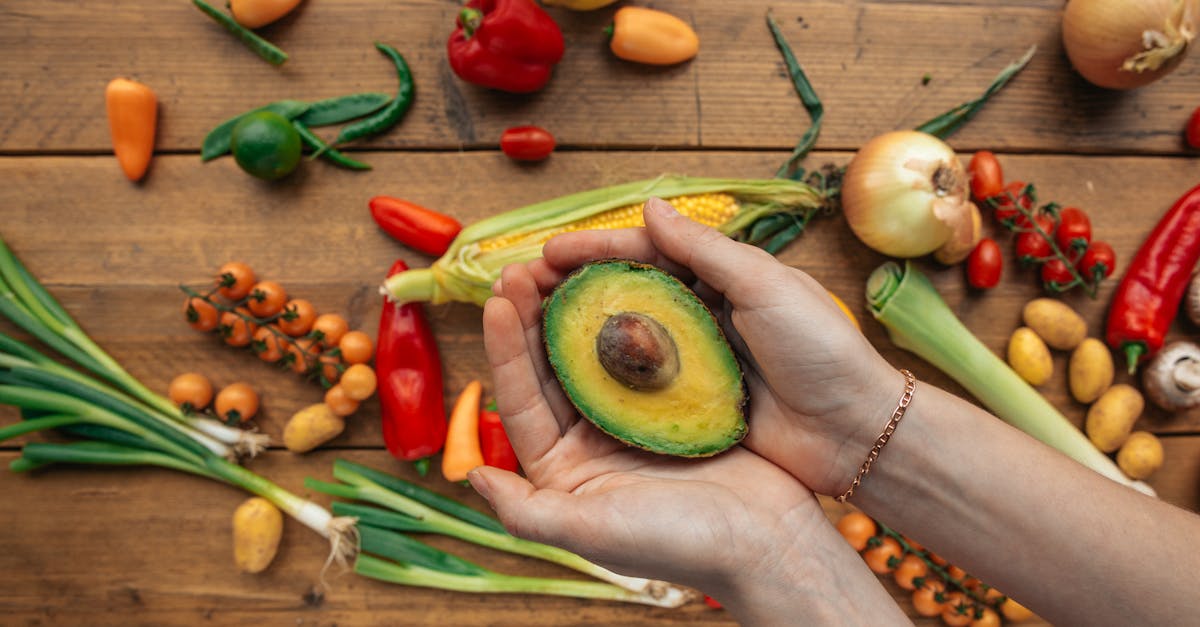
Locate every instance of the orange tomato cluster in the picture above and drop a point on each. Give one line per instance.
(938, 588)
(247, 312)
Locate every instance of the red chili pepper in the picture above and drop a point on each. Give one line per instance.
(510, 45)
(1147, 299)
(413, 225)
(497, 450)
(409, 370)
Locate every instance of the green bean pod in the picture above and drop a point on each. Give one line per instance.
(343, 108)
(260, 46)
(388, 116)
(320, 148)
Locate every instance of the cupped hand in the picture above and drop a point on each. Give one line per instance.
(699, 522)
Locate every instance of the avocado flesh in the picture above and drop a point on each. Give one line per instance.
(699, 413)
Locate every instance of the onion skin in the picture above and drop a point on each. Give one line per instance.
(905, 194)
(1103, 38)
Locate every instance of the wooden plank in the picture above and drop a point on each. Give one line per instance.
(859, 55)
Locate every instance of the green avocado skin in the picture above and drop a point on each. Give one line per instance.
(622, 417)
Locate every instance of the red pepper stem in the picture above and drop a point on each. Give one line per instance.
(421, 466)
(470, 19)
(1133, 354)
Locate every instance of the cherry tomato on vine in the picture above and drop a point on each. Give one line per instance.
(298, 316)
(266, 299)
(234, 280)
(987, 179)
(303, 355)
(332, 327)
(856, 528)
(925, 599)
(338, 402)
(200, 314)
(883, 557)
(958, 610)
(984, 265)
(356, 347)
(267, 345)
(527, 143)
(235, 329)
(910, 567)
(1056, 275)
(1010, 201)
(987, 618)
(1074, 230)
(1098, 261)
(359, 382)
(1192, 133)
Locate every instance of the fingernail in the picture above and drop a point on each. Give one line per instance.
(661, 207)
(481, 485)
(496, 289)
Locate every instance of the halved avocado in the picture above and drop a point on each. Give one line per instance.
(643, 359)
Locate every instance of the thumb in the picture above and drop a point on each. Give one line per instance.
(527, 512)
(717, 260)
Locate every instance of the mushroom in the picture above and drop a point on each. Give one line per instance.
(1192, 300)
(1172, 380)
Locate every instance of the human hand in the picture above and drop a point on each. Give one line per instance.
(819, 392)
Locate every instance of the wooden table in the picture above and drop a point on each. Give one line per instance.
(142, 546)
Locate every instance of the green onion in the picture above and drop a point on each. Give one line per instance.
(918, 320)
(946, 123)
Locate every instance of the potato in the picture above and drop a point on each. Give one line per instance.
(311, 427)
(1090, 370)
(1111, 418)
(1141, 455)
(1028, 355)
(1055, 322)
(257, 528)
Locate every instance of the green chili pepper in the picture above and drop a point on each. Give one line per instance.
(216, 143)
(321, 148)
(387, 117)
(343, 109)
(262, 47)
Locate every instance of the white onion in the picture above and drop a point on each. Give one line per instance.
(905, 194)
(1123, 44)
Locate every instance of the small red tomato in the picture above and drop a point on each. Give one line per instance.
(1016, 195)
(1033, 247)
(527, 143)
(984, 264)
(1056, 275)
(1098, 261)
(1193, 130)
(987, 179)
(1074, 231)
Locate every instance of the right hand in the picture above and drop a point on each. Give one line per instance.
(819, 392)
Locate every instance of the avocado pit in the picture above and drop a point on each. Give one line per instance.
(637, 351)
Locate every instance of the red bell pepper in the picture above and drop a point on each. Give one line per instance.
(1148, 297)
(409, 370)
(497, 450)
(413, 225)
(510, 45)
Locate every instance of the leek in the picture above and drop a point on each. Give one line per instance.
(918, 320)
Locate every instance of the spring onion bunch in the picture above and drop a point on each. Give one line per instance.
(121, 422)
(918, 320)
(389, 555)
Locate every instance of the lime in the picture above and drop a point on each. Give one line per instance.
(266, 145)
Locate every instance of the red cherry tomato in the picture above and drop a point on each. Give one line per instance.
(1056, 275)
(1074, 231)
(987, 179)
(527, 143)
(1007, 203)
(984, 264)
(1193, 130)
(1098, 262)
(1033, 247)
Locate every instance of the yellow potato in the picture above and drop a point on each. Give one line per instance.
(1028, 355)
(1111, 418)
(1141, 455)
(257, 528)
(311, 427)
(1055, 322)
(1090, 370)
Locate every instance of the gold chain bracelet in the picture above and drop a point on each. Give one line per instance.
(910, 384)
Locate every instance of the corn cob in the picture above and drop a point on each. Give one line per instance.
(466, 272)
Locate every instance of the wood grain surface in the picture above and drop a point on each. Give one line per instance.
(149, 547)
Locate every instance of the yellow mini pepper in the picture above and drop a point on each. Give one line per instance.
(652, 37)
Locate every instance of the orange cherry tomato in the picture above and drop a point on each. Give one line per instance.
(266, 299)
(910, 568)
(857, 528)
(356, 347)
(331, 367)
(267, 344)
(927, 600)
(200, 314)
(883, 557)
(956, 573)
(236, 330)
(913, 544)
(297, 317)
(957, 611)
(359, 382)
(234, 280)
(339, 403)
(303, 354)
(987, 618)
(331, 327)
(237, 401)
(190, 391)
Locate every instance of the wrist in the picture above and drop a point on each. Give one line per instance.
(861, 425)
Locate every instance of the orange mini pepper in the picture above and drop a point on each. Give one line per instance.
(132, 118)
(462, 452)
(257, 13)
(652, 37)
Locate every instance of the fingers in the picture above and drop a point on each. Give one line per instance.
(530, 422)
(571, 250)
(538, 515)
